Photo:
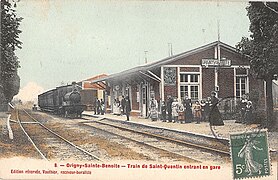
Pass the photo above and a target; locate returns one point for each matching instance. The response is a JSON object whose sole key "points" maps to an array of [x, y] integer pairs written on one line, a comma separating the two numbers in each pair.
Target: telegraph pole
{"points": [[218, 53]]}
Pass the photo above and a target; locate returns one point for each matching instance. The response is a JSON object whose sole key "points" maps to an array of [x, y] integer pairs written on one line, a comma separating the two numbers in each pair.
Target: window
{"points": [[184, 77], [189, 84], [194, 78], [241, 83], [184, 91], [194, 91]]}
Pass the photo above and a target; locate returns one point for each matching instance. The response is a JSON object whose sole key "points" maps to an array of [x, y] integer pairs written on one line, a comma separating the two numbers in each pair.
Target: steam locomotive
{"points": [[63, 100]]}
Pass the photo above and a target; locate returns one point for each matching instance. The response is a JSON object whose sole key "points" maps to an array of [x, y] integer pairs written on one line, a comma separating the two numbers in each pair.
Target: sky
{"points": [[71, 40]]}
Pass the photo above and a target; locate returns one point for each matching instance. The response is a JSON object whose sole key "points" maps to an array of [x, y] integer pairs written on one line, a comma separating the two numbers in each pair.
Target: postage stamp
{"points": [[250, 154]]}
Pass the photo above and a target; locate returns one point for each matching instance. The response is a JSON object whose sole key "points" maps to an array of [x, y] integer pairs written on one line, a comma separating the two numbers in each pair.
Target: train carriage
{"points": [[64, 100], [46, 101]]}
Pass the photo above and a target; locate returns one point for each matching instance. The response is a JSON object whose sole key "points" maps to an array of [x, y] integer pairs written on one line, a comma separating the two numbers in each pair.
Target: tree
{"points": [[9, 80], [262, 47]]}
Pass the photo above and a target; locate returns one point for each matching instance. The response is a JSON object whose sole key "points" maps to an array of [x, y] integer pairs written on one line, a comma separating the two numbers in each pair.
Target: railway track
{"points": [[171, 145], [38, 134], [206, 143]]}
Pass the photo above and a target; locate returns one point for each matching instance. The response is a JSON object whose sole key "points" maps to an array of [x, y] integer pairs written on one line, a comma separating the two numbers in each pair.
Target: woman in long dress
{"points": [[187, 109], [117, 109], [181, 113], [249, 113], [215, 118], [243, 103], [163, 111], [169, 108], [153, 109], [207, 109]]}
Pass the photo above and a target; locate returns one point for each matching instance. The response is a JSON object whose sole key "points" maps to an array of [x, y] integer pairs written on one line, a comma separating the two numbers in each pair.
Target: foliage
{"points": [[262, 46], [259, 117], [254, 96], [12, 87], [9, 80]]}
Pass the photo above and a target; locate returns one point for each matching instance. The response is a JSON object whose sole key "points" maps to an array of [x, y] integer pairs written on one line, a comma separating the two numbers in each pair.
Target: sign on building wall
{"points": [[170, 75], [216, 62]]}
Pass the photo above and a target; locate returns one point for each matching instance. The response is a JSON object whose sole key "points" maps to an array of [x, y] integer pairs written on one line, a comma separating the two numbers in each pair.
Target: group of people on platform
{"points": [[185, 112], [122, 107], [99, 106], [246, 110]]}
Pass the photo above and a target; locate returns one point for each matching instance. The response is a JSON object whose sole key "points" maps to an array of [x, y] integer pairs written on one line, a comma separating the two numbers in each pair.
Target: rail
{"points": [[29, 138], [54, 133], [168, 139]]}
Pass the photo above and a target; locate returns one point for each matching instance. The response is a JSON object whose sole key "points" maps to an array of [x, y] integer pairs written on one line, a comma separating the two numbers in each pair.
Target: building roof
{"points": [[156, 64], [88, 85], [95, 77]]}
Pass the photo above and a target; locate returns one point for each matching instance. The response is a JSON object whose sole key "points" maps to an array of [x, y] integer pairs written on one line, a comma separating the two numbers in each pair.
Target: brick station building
{"points": [[90, 92], [213, 67]]}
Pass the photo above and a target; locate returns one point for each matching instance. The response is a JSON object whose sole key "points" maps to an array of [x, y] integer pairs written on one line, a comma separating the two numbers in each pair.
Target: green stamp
{"points": [[250, 154]]}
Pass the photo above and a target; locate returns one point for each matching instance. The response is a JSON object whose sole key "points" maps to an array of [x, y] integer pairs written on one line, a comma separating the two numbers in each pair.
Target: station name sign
{"points": [[216, 62]]}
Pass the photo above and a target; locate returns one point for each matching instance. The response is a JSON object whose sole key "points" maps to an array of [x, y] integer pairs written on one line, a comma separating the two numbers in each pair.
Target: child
{"points": [[175, 110], [203, 106], [197, 110]]}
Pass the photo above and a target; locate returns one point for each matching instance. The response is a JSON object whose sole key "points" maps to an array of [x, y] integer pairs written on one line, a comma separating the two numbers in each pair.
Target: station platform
{"points": [[203, 128]]}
